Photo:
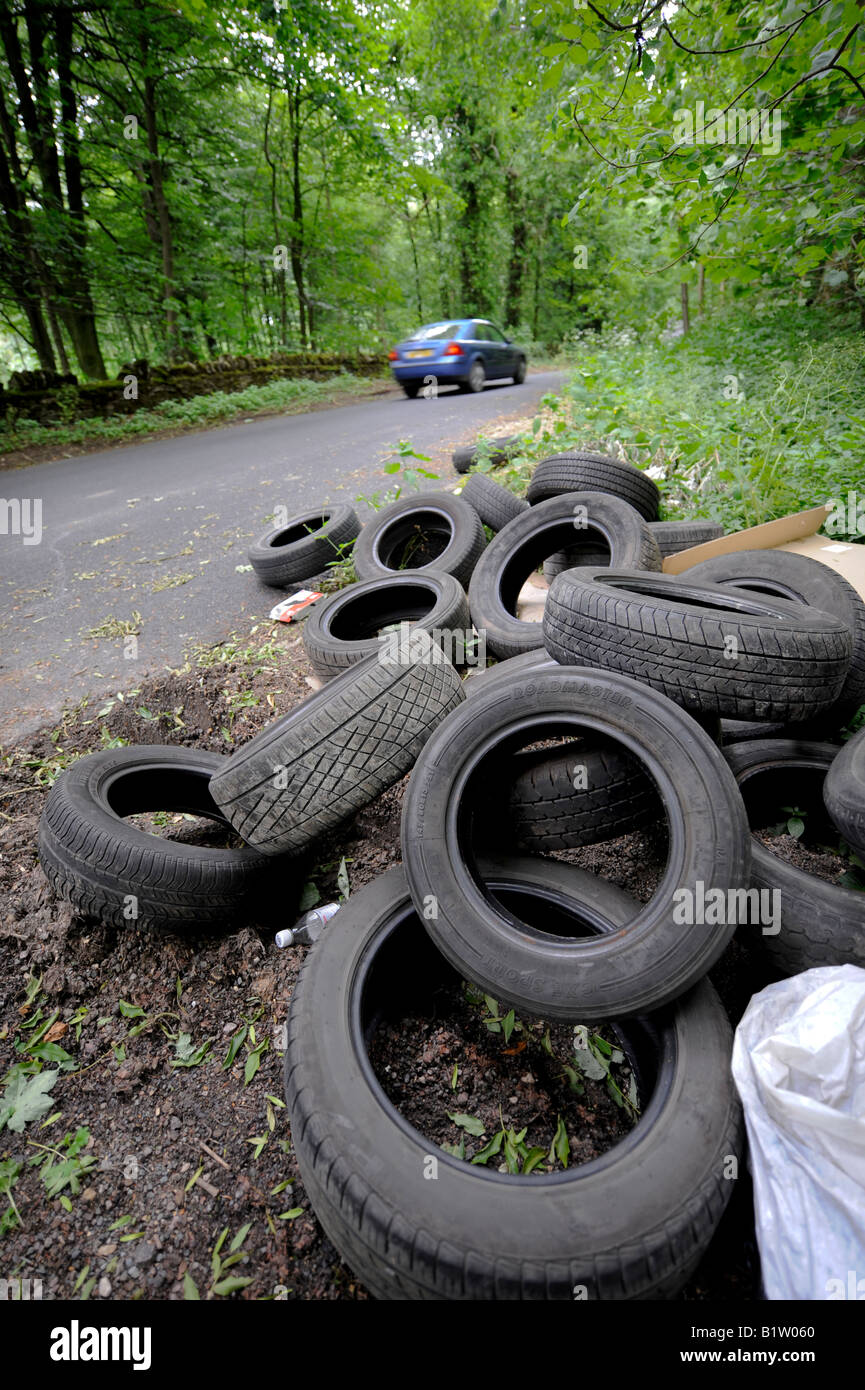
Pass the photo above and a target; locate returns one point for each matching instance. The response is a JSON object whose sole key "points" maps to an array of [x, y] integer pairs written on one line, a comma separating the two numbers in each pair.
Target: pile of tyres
{"points": [[696, 703]]}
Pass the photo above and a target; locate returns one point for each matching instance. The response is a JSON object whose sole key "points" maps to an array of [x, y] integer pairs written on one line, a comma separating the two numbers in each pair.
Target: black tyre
{"points": [[595, 518], [476, 379], [543, 806], [713, 650], [589, 557], [821, 923], [509, 670], [411, 388], [673, 536], [587, 472], [496, 450], [844, 791], [520, 373], [592, 792], [494, 504], [305, 546], [741, 730], [123, 875], [446, 813], [631, 1224], [339, 749], [430, 530], [783, 574], [351, 624]]}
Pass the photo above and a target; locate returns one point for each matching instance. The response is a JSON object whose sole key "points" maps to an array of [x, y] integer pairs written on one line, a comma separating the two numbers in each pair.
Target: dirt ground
{"points": [[184, 1135]]}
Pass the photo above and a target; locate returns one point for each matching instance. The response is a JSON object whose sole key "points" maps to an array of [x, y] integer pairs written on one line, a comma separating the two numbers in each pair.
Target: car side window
{"points": [[480, 332], [494, 335]]}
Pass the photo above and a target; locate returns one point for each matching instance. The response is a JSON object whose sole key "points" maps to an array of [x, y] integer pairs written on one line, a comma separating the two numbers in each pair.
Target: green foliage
{"points": [[753, 415], [25, 1097], [286, 396]]}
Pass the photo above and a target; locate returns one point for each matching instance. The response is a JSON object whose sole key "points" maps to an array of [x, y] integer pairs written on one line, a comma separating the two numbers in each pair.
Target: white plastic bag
{"points": [[799, 1065]]}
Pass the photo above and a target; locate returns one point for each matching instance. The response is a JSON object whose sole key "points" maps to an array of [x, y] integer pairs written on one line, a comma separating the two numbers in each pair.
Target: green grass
{"points": [[746, 419], [286, 395]]}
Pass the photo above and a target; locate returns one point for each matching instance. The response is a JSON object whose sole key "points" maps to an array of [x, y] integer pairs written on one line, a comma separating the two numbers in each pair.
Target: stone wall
{"points": [[52, 398]]}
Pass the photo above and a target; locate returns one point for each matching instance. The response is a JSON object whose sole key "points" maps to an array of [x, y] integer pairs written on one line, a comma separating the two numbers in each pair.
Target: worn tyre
{"points": [[543, 808], [305, 545], [783, 574], [673, 536], [494, 504], [822, 923], [588, 472], [509, 670], [582, 796], [496, 450], [631, 1224], [590, 558], [446, 813], [339, 749], [348, 626], [844, 791], [429, 530], [120, 874], [713, 650], [523, 545]]}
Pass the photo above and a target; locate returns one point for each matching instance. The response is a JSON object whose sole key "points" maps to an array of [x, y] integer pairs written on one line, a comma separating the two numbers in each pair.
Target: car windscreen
{"points": [[436, 330]]}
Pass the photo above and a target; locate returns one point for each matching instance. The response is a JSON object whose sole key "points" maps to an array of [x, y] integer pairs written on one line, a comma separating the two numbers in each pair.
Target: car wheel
{"points": [[520, 373], [477, 376], [411, 388]]}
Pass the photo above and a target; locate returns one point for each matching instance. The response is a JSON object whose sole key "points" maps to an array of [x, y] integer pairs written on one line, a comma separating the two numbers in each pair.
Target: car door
{"points": [[491, 347], [506, 354]]}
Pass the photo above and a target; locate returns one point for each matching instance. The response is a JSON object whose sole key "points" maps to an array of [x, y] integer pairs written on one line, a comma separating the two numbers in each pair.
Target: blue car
{"points": [[456, 352]]}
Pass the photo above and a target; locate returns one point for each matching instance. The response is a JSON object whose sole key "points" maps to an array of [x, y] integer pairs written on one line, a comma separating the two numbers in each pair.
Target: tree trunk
{"points": [[686, 317], [417, 286], [296, 247], [57, 335], [156, 184], [69, 281], [82, 313], [22, 268], [517, 261]]}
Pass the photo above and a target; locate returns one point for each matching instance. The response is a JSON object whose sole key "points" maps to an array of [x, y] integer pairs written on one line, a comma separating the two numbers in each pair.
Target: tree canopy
{"points": [[185, 180]]}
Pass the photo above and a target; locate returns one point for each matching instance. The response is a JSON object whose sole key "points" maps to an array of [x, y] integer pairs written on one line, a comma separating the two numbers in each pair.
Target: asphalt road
{"points": [[119, 525]]}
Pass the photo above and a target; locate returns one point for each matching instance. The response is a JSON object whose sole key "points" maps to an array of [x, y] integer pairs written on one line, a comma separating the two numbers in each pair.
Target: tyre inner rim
{"points": [[300, 531], [401, 964], [467, 801], [556, 536], [184, 791], [362, 617], [770, 587], [697, 597], [418, 538]]}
